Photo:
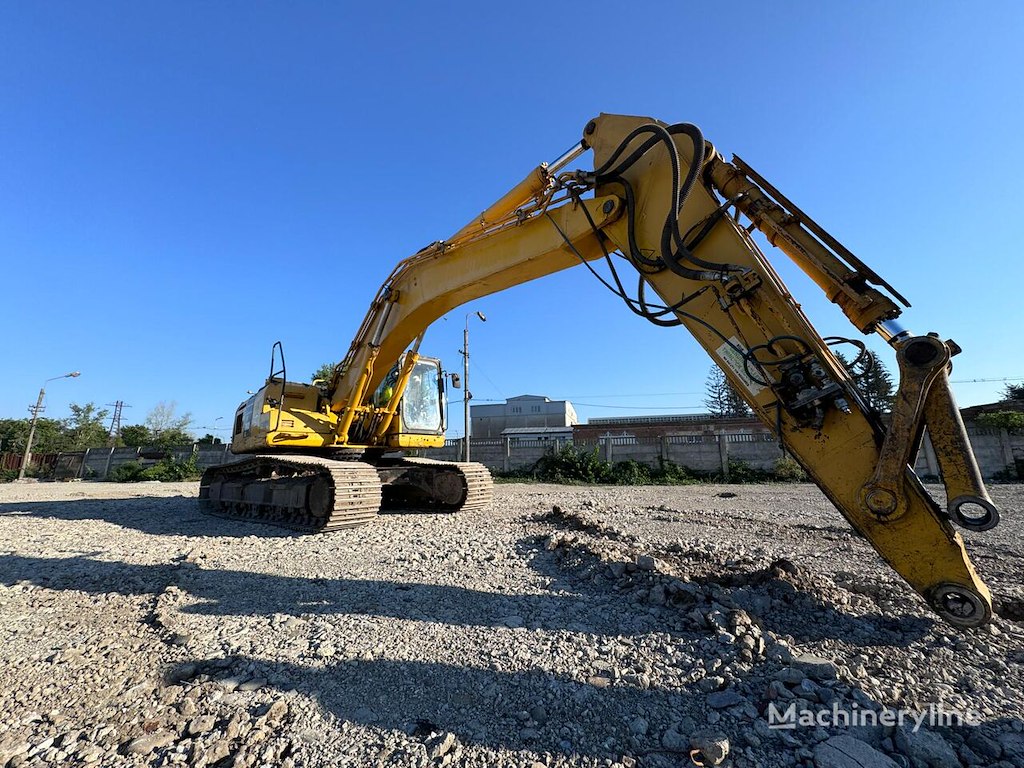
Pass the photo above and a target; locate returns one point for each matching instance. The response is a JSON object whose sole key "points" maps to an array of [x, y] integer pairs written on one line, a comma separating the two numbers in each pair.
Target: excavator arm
{"points": [[663, 200], [724, 291]]}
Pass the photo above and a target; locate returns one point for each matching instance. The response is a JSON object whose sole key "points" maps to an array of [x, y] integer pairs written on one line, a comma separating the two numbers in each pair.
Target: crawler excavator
{"points": [[659, 197]]}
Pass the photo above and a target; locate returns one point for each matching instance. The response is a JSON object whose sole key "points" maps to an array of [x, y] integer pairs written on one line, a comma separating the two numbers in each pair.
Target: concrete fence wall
{"points": [[99, 463], [703, 453], [997, 451]]}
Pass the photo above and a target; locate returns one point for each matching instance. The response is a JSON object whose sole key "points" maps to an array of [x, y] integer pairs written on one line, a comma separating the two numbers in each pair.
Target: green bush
{"points": [[673, 474], [166, 471], [128, 473], [573, 465], [10, 475], [631, 473], [1007, 475], [741, 472], [787, 470], [569, 465], [1002, 420]]}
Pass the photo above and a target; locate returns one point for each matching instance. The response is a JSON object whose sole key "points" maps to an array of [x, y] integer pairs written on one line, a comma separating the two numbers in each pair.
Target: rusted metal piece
{"points": [[965, 489], [921, 359]]}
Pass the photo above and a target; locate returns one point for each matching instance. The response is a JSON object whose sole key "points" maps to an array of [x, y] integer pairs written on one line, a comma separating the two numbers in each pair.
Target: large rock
{"points": [[982, 745], [925, 749], [815, 667], [712, 747], [201, 725], [440, 745], [847, 752], [724, 699], [1012, 744], [674, 741], [146, 744]]}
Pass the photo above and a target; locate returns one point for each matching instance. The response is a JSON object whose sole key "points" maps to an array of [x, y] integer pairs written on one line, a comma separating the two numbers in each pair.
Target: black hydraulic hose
{"points": [[651, 313], [660, 134], [642, 311], [680, 193], [639, 306], [750, 356], [707, 224], [863, 358], [634, 249], [695, 136]]}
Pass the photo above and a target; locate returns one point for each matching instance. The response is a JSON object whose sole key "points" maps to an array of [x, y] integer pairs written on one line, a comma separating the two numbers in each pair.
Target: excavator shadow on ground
{"points": [[155, 515]]}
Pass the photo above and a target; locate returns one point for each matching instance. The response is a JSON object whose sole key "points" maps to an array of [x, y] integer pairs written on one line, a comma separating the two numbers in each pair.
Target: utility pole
{"points": [[115, 422], [466, 396], [36, 410]]}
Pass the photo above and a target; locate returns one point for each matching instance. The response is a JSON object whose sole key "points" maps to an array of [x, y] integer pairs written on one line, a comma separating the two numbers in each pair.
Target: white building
{"points": [[520, 412]]}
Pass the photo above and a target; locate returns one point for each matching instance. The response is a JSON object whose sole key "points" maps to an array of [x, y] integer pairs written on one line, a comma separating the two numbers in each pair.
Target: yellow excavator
{"points": [[659, 197]]}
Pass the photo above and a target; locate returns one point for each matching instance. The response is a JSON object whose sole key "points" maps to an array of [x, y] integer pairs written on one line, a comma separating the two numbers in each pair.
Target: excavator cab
{"points": [[419, 415], [407, 410]]}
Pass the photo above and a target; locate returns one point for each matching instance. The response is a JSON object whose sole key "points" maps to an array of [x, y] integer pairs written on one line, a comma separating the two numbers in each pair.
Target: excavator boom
{"points": [[663, 200]]}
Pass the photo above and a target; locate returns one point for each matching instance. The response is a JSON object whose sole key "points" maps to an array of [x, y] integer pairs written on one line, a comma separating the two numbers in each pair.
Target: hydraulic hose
{"points": [[669, 257]]}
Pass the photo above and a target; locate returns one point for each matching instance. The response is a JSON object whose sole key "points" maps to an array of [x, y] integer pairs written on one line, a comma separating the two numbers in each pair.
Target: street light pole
{"points": [[27, 457], [465, 377]]}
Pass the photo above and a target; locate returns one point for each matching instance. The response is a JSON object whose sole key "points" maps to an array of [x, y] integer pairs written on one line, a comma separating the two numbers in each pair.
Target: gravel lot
{"points": [[624, 628]]}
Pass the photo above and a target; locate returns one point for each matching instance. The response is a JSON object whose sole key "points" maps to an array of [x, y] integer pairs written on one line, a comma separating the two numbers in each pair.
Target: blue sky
{"points": [[182, 184]]}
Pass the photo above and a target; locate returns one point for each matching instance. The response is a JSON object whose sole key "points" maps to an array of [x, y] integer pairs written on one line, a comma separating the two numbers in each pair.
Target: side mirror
{"points": [[456, 380]]}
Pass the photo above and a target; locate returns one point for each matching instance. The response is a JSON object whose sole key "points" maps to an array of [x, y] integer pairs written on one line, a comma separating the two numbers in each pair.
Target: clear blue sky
{"points": [[184, 183]]}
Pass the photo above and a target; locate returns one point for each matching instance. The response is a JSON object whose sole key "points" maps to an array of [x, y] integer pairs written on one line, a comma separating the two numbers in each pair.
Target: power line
{"points": [[619, 407], [638, 394], [476, 368], [645, 407], [691, 407], [979, 381]]}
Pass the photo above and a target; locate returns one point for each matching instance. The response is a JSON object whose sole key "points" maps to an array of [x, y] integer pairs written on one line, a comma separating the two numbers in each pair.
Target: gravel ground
{"points": [[564, 626]]}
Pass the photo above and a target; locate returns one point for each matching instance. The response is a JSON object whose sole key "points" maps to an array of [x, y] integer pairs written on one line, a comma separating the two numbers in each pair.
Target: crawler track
{"points": [[318, 495], [304, 493], [453, 486]]}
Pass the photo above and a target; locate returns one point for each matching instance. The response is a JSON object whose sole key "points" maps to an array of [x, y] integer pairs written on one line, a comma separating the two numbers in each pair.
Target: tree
{"points": [[1013, 392], [136, 436], [722, 400], [166, 428], [325, 372], [50, 435], [872, 379], [84, 428], [209, 439], [1002, 420], [172, 437]]}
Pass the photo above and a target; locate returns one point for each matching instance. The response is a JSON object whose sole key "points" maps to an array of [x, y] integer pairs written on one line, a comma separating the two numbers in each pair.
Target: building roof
{"points": [[656, 419], [536, 430], [973, 412], [529, 397]]}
